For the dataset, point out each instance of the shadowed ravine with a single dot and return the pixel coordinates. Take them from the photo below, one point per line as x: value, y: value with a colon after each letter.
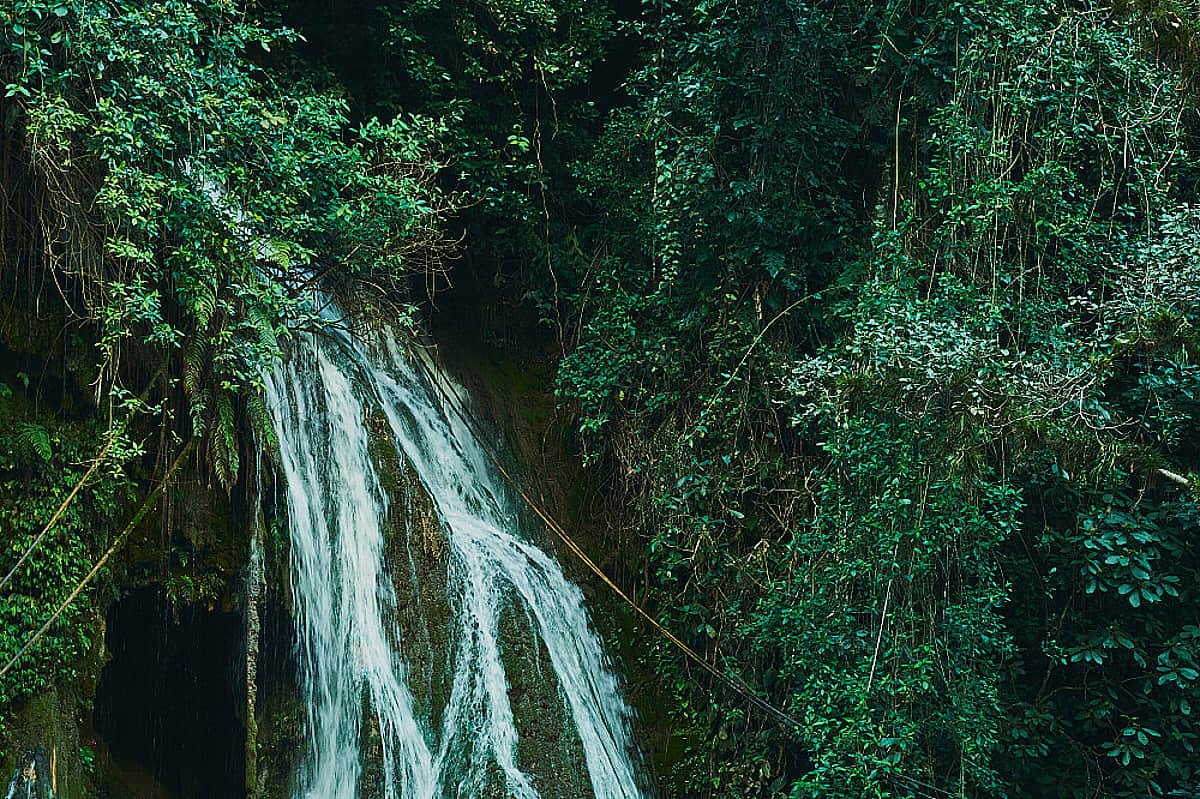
x: 352, y: 644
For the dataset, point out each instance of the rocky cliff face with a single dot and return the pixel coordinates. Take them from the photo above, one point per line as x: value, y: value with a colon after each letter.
x: 189, y: 687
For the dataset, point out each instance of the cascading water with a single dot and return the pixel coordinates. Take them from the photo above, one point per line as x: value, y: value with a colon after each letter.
x: 31, y: 780
x: 350, y: 641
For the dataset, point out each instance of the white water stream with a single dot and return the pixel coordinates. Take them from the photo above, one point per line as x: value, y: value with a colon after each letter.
x: 349, y: 639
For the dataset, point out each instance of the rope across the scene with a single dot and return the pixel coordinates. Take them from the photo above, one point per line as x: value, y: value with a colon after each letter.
x: 736, y: 684
x: 453, y: 399
x: 151, y: 499
x: 57, y: 514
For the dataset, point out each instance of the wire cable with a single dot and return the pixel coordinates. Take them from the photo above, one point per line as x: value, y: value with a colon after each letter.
x: 149, y: 502
x: 733, y: 682
x: 58, y: 513
x: 453, y: 399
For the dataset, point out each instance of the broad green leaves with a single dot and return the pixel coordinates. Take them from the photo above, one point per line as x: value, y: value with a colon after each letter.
x: 918, y: 467
x: 194, y: 158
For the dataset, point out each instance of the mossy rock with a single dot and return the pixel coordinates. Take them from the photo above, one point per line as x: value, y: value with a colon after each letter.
x: 49, y: 724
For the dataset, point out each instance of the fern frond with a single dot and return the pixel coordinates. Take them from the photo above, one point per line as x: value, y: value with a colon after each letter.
x: 260, y: 419
x: 264, y: 326
x: 205, y: 306
x: 34, y: 441
x: 195, y: 387
x: 198, y: 406
x: 193, y: 365
x: 224, y: 442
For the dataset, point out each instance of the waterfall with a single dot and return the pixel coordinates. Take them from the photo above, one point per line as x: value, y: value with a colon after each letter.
x: 33, y: 778
x: 350, y: 642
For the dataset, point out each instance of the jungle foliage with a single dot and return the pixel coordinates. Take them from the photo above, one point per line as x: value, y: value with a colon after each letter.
x: 169, y: 194
x: 919, y: 466
x: 879, y: 319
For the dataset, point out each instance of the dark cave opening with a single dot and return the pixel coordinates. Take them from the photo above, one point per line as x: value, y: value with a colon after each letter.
x: 169, y: 702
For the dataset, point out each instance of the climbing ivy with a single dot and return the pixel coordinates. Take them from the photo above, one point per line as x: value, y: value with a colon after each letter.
x: 879, y: 319
x: 41, y: 460
x: 219, y: 192
x: 174, y: 183
x: 896, y: 458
